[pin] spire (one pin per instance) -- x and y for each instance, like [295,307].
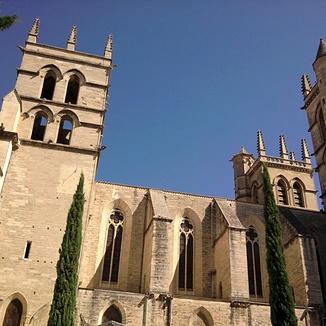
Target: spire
[283,148]
[243,151]
[305,85]
[322,49]
[304,151]
[33,32]
[108,47]
[292,156]
[260,144]
[71,44]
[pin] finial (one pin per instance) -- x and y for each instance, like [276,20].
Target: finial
[108,47]
[292,156]
[304,151]
[305,85]
[33,31]
[321,49]
[283,148]
[72,40]
[260,144]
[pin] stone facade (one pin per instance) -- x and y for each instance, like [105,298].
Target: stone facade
[149,256]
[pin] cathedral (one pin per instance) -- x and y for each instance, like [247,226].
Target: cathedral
[149,256]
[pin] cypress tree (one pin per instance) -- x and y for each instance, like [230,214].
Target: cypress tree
[7,21]
[280,294]
[65,289]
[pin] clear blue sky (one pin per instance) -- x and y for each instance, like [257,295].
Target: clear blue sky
[195,80]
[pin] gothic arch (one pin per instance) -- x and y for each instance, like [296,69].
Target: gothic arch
[11,298]
[281,190]
[44,70]
[254,192]
[47,111]
[201,317]
[115,304]
[320,120]
[76,72]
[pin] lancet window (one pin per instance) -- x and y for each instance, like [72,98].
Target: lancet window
[113,248]
[48,86]
[322,125]
[72,90]
[14,313]
[39,127]
[65,130]
[298,195]
[281,193]
[186,258]
[253,262]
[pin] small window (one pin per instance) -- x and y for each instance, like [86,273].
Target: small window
[322,125]
[39,127]
[255,194]
[281,193]
[65,131]
[72,90]
[48,86]
[27,249]
[298,195]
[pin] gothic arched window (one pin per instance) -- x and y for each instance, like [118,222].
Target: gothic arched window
[39,127]
[48,86]
[112,314]
[72,90]
[186,268]
[253,262]
[113,248]
[13,313]
[65,130]
[322,125]
[298,195]
[281,193]
[255,194]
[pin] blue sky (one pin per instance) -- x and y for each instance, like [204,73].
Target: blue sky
[195,80]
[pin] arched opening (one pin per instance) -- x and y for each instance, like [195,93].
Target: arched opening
[322,125]
[186,255]
[48,86]
[253,262]
[113,248]
[65,131]
[39,127]
[72,90]
[201,317]
[281,193]
[112,314]
[255,194]
[298,195]
[13,313]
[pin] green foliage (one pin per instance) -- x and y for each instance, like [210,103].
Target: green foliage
[280,293]
[7,21]
[65,289]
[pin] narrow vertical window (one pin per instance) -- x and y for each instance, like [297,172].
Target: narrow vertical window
[113,248]
[72,90]
[186,263]
[27,249]
[65,131]
[255,194]
[13,314]
[322,125]
[281,193]
[48,86]
[298,195]
[39,127]
[253,262]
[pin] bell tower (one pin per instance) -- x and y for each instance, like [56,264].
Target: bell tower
[315,106]
[51,128]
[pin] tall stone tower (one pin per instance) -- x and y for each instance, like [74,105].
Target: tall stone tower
[315,106]
[292,179]
[51,131]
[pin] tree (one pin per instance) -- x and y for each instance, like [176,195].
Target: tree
[7,21]
[65,289]
[280,293]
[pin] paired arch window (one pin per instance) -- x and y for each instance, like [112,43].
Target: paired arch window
[39,127]
[14,313]
[113,248]
[186,257]
[48,86]
[65,130]
[298,195]
[72,90]
[112,314]
[281,193]
[253,262]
